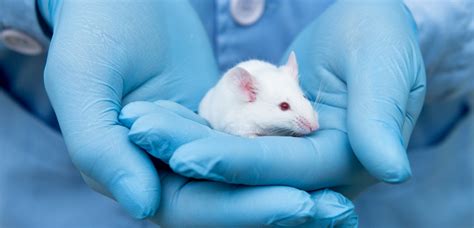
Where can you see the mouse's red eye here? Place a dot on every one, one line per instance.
(284, 106)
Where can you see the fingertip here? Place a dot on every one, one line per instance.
(391, 165)
(133, 110)
(139, 194)
(331, 204)
(139, 211)
(379, 147)
(333, 210)
(149, 133)
(300, 209)
(140, 201)
(396, 173)
(188, 161)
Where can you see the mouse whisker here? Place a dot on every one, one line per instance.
(319, 97)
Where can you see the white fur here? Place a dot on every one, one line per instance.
(224, 108)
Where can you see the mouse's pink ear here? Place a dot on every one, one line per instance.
(292, 65)
(245, 83)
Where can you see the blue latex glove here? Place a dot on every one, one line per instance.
(104, 54)
(364, 62)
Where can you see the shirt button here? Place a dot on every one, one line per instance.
(20, 42)
(246, 12)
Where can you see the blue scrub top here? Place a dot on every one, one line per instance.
(44, 190)
(266, 38)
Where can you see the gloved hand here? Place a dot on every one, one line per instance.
(361, 64)
(225, 205)
(105, 54)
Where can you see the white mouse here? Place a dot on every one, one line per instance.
(256, 98)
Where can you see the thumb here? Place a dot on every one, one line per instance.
(386, 85)
(385, 96)
(87, 99)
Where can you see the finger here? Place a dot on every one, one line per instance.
(148, 133)
(384, 101)
(136, 109)
(339, 214)
(181, 111)
(223, 205)
(322, 160)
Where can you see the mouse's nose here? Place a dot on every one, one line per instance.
(308, 125)
(314, 126)
(315, 121)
